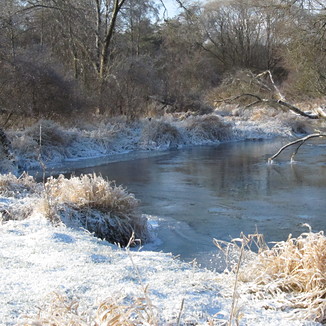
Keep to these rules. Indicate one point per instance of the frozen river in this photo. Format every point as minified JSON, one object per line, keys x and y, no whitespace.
{"x":195,"y":195}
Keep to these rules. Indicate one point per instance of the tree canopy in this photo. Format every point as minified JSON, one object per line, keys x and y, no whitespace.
{"x":116,"y":57}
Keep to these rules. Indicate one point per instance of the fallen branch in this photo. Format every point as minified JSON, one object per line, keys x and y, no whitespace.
{"x":299,"y":141}
{"x":280,"y":98}
{"x":280,"y":103}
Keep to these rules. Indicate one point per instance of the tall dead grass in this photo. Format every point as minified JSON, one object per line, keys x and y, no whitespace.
{"x":296,"y":267}
{"x":104,"y":208}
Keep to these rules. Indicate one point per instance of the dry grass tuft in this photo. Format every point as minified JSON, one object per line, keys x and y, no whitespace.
{"x":59,"y":312}
{"x":111,"y":312}
{"x":160,"y":133}
{"x":62,"y":310}
{"x":12,"y":186}
{"x":209,"y":127}
{"x":92,"y":191}
{"x":104,"y":208}
{"x":297,"y":266}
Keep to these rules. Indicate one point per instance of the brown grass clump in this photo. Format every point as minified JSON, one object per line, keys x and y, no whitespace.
{"x":49,"y":133}
{"x":116,"y":313}
{"x":160,"y":133}
{"x":60,"y":311}
{"x":296,"y":266}
{"x":209,"y":127}
{"x":104,"y":208}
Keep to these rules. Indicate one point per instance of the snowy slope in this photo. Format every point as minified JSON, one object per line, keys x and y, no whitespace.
{"x":37,"y":258}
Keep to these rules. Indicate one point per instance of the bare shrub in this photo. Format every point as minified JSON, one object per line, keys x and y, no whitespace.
{"x":104,"y":208}
{"x":160,"y":133}
{"x":47,"y":92}
{"x":209,"y":127}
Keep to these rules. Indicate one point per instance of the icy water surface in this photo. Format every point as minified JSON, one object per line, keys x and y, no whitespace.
{"x":195,"y":195}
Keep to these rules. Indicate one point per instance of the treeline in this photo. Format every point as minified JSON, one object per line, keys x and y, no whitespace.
{"x":64,"y":58}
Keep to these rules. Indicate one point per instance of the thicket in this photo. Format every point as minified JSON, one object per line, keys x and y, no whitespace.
{"x":62,"y":59}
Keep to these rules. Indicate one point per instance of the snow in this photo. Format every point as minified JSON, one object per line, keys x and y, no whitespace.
{"x":38,"y":258}
{"x":105,"y":142}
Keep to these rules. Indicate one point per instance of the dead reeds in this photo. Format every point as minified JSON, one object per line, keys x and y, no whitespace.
{"x":295,"y":267}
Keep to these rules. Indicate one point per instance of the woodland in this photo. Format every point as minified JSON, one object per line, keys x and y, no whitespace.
{"x":67,"y":60}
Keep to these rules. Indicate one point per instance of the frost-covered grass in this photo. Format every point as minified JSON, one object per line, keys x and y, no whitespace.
{"x":292,"y":273}
{"x":51,"y":144}
{"x":54,"y":275}
{"x":103,"y":208}
{"x":94,"y":283}
{"x":106,"y":210}
{"x":13,"y":186}
{"x":297,"y":267}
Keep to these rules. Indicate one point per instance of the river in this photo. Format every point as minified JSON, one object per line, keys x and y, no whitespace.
{"x":197,"y":194}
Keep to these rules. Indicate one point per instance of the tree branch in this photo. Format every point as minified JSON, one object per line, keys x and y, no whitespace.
{"x":299,"y":141}
{"x":280,"y":103}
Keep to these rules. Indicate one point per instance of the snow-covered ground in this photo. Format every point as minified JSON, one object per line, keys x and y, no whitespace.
{"x":38,"y":258}
{"x":49,"y":143}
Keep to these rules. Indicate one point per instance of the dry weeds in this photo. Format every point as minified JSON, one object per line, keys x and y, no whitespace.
{"x":209,"y":127}
{"x":296,"y":267}
{"x":12,"y":186}
{"x":104,"y":208}
{"x":161,"y":133}
{"x":63,"y":311}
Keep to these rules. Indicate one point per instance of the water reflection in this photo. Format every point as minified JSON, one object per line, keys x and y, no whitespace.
{"x":216,"y":192}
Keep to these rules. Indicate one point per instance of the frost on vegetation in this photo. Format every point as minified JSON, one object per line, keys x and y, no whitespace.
{"x":160,"y":134}
{"x":290,"y":276}
{"x":208,"y":127}
{"x":61,"y":310}
{"x":49,"y":143}
{"x":105,"y":209}
{"x":45,"y":140}
{"x":13,"y":186}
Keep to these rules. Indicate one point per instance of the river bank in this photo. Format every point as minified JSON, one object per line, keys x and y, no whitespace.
{"x":144,"y":287}
{"x":49,"y":145}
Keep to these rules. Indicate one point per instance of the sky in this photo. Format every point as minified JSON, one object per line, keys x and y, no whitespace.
{"x":171,"y":6}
